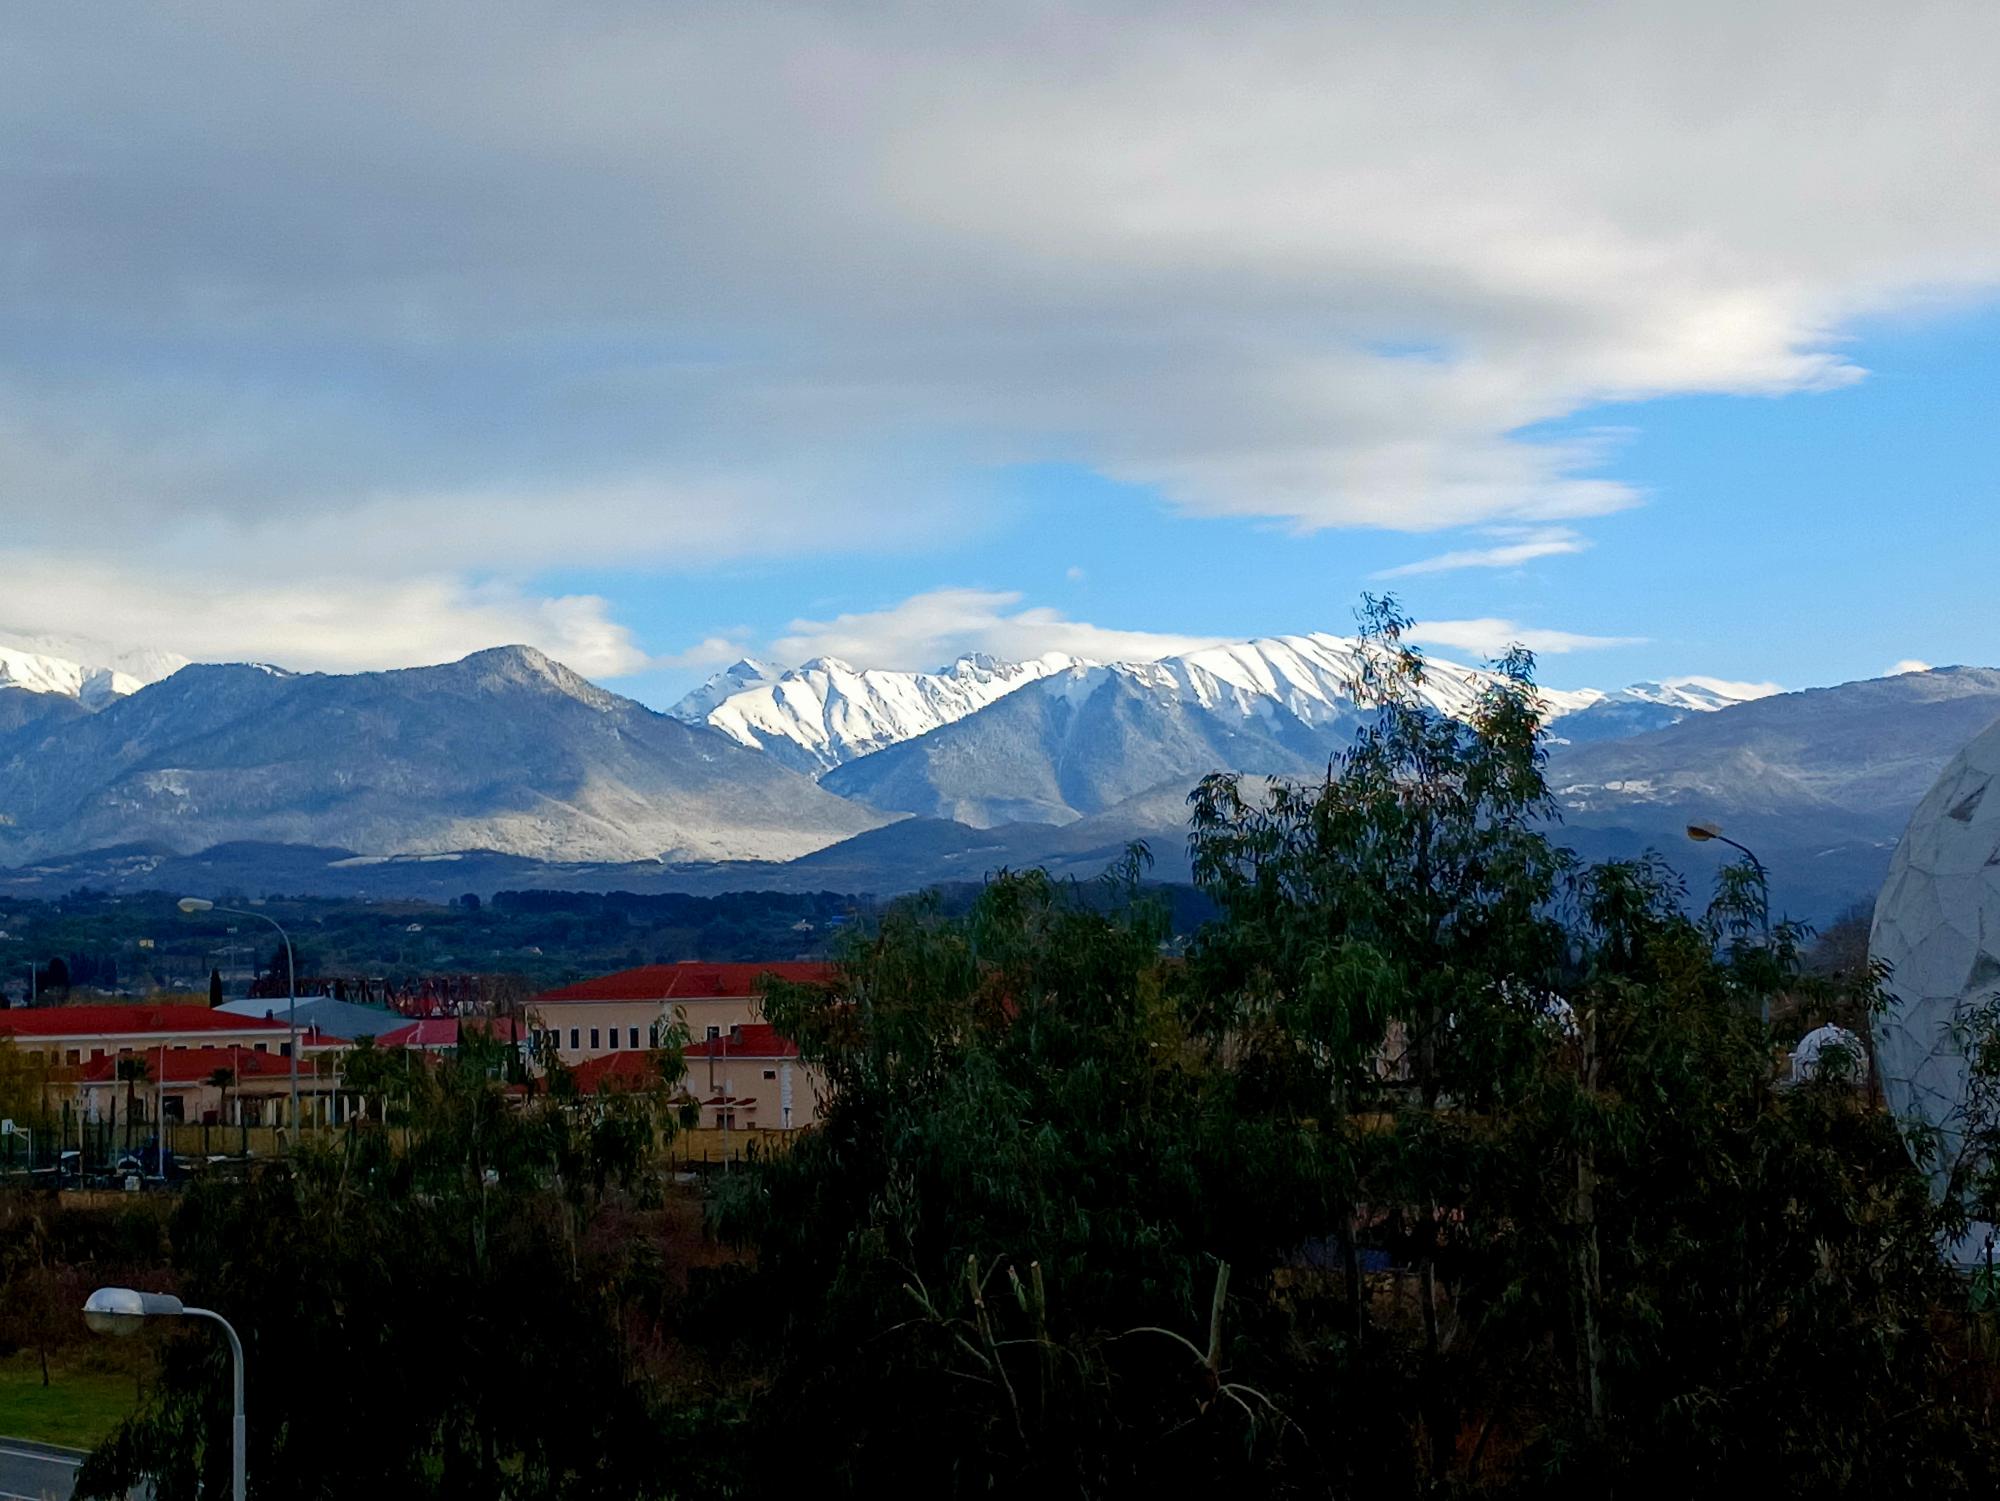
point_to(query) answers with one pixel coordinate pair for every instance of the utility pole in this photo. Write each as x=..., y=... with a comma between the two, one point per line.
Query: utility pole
x=195, y=904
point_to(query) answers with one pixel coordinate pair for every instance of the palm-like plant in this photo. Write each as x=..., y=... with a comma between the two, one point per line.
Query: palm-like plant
x=133, y=1071
x=223, y=1079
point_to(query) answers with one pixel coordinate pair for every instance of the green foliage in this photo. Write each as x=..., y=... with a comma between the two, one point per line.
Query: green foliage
x=1436, y=1165
x=425, y=1309
x=1441, y=1165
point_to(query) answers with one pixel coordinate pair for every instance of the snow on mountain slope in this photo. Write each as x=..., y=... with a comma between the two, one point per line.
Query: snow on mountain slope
x=737, y=678
x=504, y=751
x=87, y=671
x=825, y=713
x=43, y=674
x=828, y=713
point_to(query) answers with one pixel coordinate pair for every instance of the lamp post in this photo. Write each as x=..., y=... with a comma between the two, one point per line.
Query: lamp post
x=120, y=1311
x=1702, y=833
x=193, y=904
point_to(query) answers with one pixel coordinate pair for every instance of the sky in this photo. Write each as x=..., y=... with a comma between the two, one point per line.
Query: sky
x=1662, y=338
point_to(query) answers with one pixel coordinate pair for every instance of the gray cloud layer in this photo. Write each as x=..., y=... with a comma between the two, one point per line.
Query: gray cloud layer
x=450, y=294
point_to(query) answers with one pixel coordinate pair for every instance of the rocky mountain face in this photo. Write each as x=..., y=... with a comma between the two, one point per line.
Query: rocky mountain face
x=1078, y=743
x=1283, y=691
x=1820, y=783
x=826, y=713
x=1074, y=742
x=1864, y=751
x=503, y=751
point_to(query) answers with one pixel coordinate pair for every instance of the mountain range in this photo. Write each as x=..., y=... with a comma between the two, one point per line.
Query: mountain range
x=503, y=751
x=506, y=768
x=1296, y=690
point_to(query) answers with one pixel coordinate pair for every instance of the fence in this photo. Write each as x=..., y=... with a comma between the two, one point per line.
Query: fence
x=73, y=1151
x=76, y=1153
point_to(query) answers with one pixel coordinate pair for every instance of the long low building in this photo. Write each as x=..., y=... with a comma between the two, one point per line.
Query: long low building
x=76, y=1035
x=630, y=1010
x=182, y=1050
x=205, y=1085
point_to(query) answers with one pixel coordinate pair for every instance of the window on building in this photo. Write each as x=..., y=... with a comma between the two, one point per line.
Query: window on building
x=284, y=1050
x=74, y=1055
x=263, y=1047
x=713, y=1033
x=633, y=1034
x=573, y=1044
x=736, y=1032
x=593, y=1038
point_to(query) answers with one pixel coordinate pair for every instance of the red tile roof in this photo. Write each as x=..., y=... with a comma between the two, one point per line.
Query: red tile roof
x=117, y=1021
x=688, y=982
x=757, y=1040
x=618, y=1072
x=442, y=1031
x=194, y=1065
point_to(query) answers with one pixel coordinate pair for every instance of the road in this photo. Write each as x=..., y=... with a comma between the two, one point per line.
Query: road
x=36, y=1472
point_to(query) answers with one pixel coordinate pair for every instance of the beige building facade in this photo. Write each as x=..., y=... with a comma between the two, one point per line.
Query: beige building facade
x=632, y=1010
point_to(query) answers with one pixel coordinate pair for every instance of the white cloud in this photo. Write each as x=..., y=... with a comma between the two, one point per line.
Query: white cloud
x=928, y=629
x=1490, y=637
x=1908, y=664
x=1074, y=575
x=306, y=619
x=710, y=651
x=1523, y=545
x=650, y=285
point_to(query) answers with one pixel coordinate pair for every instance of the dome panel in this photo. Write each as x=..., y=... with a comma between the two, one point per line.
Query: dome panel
x=1937, y=926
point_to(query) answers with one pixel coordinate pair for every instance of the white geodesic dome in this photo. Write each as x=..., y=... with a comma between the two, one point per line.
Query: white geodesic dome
x=1937, y=924
x=1806, y=1056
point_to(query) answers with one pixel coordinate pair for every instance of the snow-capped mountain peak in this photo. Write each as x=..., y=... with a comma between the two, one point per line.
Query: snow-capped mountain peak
x=78, y=667
x=1699, y=694
x=827, y=712
x=37, y=673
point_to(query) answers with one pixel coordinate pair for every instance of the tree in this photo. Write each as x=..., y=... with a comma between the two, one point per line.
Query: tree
x=452, y=1318
x=215, y=989
x=1470, y=1161
x=133, y=1070
x=223, y=1079
x=32, y=1311
x=53, y=977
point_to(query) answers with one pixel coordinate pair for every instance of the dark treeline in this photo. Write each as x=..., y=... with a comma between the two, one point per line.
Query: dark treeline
x=1437, y=1164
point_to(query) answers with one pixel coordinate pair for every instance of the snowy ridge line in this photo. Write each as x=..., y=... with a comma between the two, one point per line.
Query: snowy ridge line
x=826, y=712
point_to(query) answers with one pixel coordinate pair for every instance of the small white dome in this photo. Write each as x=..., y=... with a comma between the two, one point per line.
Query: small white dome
x=1806, y=1057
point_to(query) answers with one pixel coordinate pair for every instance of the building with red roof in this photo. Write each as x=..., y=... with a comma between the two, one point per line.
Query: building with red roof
x=433, y=1034
x=618, y=1073
x=745, y=1078
x=184, y=1083
x=749, y=1077
x=631, y=1010
x=71, y=1036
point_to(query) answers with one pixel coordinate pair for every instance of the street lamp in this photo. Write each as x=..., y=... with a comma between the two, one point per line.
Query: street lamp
x=193, y=904
x=1702, y=833
x=121, y=1311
